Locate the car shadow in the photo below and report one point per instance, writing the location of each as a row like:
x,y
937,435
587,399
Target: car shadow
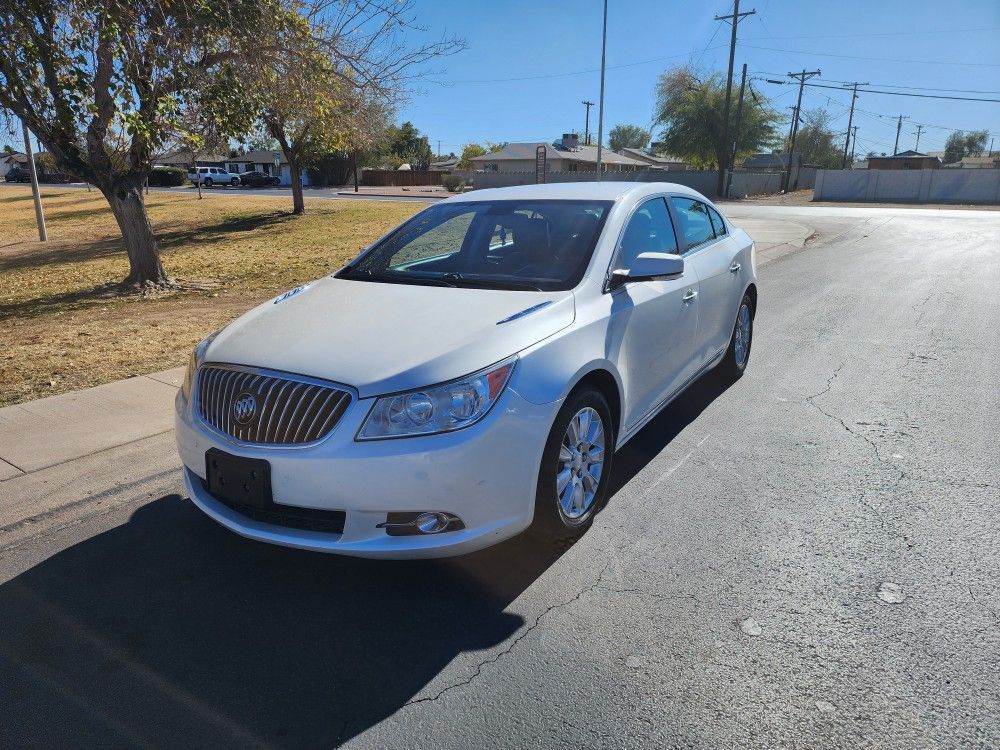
x,y
664,427
169,630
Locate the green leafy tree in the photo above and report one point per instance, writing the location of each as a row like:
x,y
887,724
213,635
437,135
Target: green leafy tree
x,y
102,84
470,152
961,144
407,146
690,109
628,136
816,142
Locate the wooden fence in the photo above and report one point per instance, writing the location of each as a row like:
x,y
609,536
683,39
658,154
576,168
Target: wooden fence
x,y
396,178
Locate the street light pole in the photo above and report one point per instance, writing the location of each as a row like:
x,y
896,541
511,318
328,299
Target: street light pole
x,y
600,106
35,194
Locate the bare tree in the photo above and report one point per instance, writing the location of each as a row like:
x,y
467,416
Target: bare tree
x,y
349,63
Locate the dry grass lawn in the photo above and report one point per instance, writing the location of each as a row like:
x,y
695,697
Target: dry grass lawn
x,y
59,331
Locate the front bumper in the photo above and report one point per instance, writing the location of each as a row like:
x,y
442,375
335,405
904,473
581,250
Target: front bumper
x,y
485,474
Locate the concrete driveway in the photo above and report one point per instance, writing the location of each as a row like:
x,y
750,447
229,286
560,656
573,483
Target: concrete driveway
x,y
807,558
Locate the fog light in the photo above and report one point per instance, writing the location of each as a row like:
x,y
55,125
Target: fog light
x,y
427,522
432,523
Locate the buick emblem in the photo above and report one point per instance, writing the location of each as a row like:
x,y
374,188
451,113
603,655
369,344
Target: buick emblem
x,y
244,408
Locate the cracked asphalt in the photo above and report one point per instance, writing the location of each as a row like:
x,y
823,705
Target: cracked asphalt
x,y
806,559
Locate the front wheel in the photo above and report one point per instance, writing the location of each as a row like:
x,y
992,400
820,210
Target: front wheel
x,y
734,364
576,467
235,181
208,182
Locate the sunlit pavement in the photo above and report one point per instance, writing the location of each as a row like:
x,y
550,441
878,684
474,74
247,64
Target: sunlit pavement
x,y
806,558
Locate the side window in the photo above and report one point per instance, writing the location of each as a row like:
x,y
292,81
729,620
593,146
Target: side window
x,y
649,231
695,224
717,223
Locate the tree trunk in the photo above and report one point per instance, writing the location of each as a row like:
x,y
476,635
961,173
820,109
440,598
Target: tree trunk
x,y
298,202
145,269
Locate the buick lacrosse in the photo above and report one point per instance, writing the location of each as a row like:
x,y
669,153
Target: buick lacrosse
x,y
470,374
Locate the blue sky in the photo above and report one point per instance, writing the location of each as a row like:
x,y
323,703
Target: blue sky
x,y
521,39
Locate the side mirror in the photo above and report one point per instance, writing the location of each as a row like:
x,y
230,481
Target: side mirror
x,y
649,267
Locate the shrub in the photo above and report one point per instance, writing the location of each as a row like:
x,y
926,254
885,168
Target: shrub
x,y
453,183
167,177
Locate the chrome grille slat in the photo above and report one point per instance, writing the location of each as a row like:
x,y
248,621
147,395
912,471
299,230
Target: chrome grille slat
x,y
290,410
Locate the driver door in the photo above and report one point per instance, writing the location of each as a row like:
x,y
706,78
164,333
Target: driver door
x,y
653,323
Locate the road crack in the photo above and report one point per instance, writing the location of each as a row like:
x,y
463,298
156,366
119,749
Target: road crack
x,y
513,644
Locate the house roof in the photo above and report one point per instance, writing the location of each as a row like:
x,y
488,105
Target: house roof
x,y
908,155
521,151
258,157
636,153
771,160
184,157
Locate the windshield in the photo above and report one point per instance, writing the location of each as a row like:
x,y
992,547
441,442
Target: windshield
x,y
511,244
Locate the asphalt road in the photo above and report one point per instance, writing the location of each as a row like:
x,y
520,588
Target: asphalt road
x,y
808,558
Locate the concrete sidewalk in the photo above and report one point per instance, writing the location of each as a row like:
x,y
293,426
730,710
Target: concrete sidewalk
x,y
52,431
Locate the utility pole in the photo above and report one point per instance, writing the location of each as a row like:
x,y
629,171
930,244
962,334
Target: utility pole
x,y
804,76
850,119
854,143
600,107
899,127
920,129
586,122
439,148
39,214
734,19
736,137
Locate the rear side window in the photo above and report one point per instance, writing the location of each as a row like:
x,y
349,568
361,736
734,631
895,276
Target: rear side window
x,y
717,223
695,224
649,231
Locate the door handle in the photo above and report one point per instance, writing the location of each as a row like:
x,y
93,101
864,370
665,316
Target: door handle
x,y
735,267
691,294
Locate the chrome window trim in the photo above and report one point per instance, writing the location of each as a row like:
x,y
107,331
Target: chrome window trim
x,y
291,377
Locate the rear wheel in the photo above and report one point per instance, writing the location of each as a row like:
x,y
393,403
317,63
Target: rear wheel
x,y
576,467
734,364
235,181
208,182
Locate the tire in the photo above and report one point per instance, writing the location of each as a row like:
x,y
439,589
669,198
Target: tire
x,y
558,517
734,364
208,182
235,182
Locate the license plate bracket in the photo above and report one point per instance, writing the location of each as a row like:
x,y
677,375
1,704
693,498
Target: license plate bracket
x,y
237,479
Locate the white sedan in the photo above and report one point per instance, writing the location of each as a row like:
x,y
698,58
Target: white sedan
x,y
470,374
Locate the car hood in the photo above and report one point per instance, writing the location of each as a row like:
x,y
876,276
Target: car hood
x,y
380,338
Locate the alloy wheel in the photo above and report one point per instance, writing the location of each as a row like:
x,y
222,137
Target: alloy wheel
x,y
741,338
581,461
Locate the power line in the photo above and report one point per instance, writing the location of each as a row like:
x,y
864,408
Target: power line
x,y
876,59
935,32
574,72
734,19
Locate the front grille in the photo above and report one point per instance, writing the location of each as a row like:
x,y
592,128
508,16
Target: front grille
x,y
306,519
253,406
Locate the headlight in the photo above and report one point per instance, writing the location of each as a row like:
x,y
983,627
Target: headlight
x,y
196,358
440,408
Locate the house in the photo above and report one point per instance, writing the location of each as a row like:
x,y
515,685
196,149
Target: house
x,y
268,162
8,161
978,162
773,162
444,165
564,155
665,162
905,160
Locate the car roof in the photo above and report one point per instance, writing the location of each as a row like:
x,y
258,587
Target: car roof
x,y
605,191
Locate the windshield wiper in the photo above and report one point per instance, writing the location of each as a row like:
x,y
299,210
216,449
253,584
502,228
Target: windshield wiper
x,y
364,274
489,283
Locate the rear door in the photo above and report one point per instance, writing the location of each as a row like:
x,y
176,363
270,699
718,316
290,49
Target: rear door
x,y
711,251
652,324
